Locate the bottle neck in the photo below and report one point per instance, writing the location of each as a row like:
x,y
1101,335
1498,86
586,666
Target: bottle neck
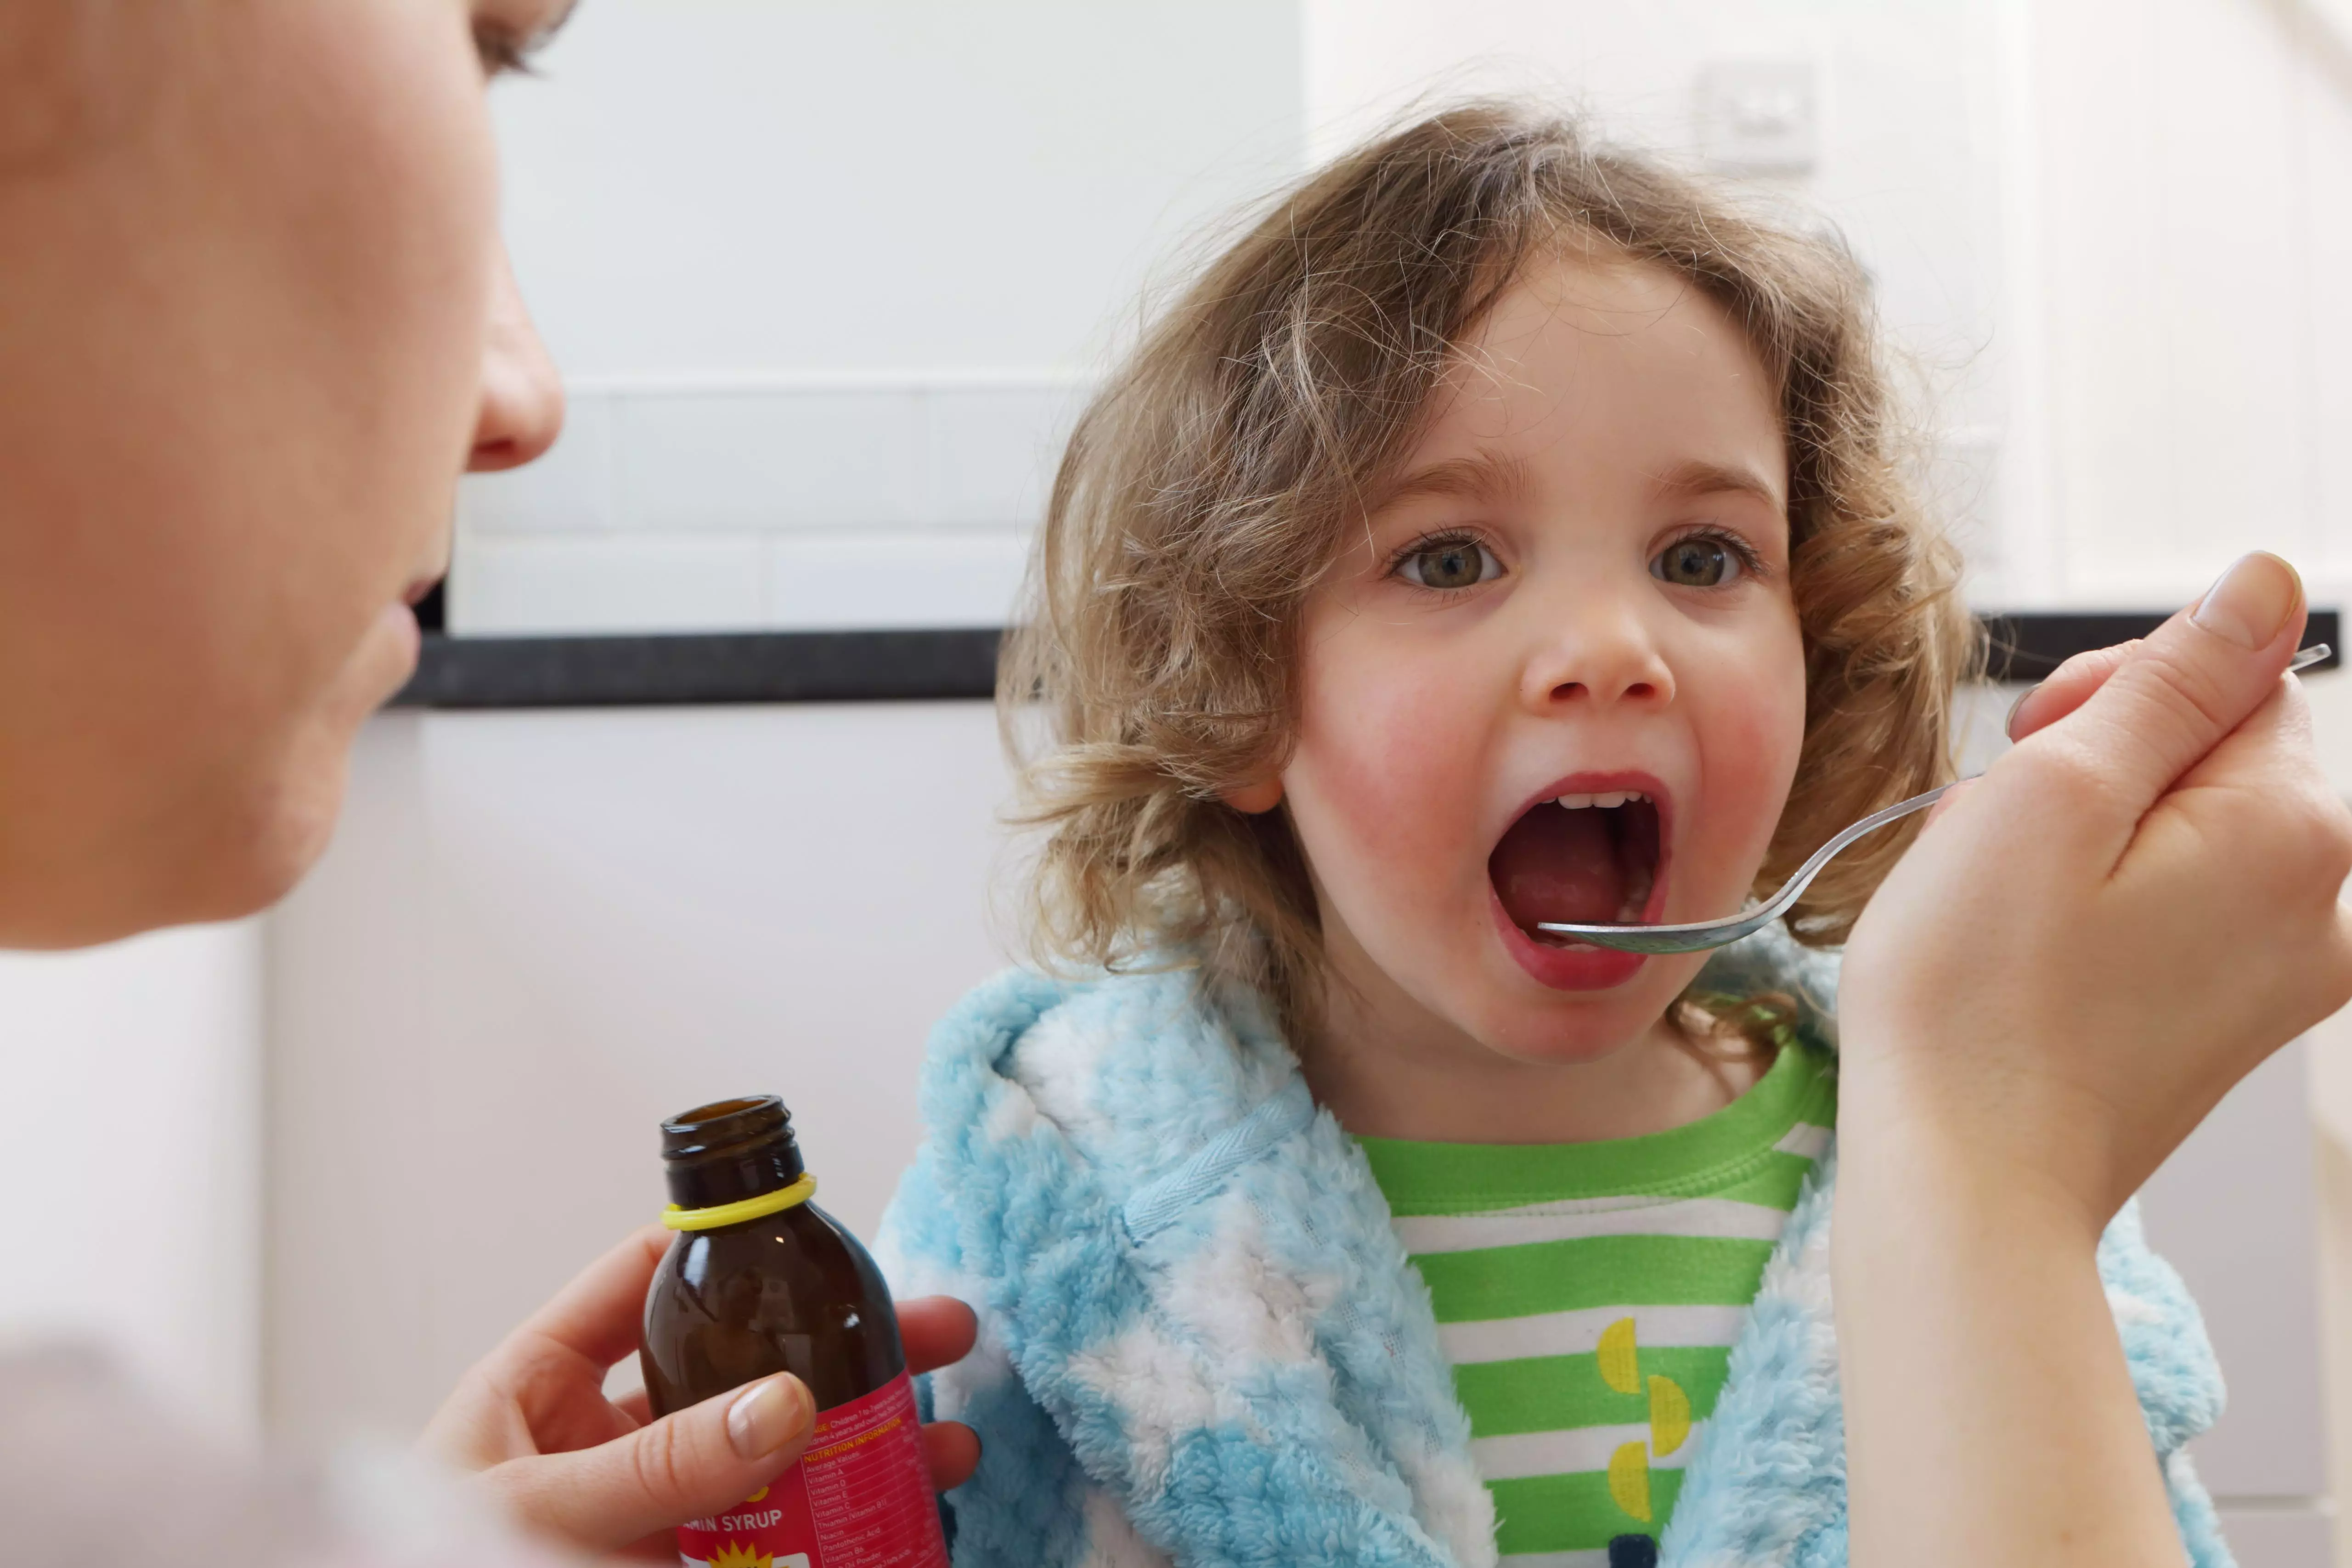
x,y
735,1175
729,1153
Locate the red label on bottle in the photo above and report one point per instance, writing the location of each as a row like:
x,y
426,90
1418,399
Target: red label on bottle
x,y
860,1498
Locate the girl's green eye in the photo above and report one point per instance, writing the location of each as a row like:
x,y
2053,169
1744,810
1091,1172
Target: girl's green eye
x,y
1462,563
1696,563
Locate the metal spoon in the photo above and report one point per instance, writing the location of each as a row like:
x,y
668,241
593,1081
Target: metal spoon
x,y
1701,934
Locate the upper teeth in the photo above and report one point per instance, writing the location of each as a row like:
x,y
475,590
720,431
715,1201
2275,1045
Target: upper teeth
x,y
1609,798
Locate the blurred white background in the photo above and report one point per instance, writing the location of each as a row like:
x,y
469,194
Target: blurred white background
x,y
827,283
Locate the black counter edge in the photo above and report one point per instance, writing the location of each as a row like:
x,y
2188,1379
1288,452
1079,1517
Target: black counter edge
x,y
959,664
2026,644
703,668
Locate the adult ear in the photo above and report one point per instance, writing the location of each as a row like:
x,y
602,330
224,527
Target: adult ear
x,y
1254,799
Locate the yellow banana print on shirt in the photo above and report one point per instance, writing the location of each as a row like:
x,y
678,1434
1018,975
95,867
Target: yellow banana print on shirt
x,y
1629,1480
1616,1355
1670,1415
1619,1359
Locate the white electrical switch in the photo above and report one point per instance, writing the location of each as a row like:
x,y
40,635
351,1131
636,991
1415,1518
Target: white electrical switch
x,y
1760,116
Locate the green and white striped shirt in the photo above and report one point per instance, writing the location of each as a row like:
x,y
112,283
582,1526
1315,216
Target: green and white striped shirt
x,y
1588,1295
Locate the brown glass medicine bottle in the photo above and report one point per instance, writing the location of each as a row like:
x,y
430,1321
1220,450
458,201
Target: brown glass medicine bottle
x,y
760,1281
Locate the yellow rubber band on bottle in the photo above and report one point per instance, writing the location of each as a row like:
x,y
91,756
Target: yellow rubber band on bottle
x,y
766,1204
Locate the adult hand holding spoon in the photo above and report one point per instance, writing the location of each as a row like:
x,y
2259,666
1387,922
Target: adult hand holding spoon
x,y
2083,951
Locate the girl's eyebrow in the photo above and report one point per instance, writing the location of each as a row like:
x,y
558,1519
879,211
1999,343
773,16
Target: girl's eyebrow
x,y
1700,477
1485,477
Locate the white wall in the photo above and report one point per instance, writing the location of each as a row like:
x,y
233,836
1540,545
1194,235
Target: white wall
x,y
826,280
703,187
2193,160
537,935
130,1143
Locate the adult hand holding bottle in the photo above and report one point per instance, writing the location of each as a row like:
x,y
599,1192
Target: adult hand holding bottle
x,y
2079,957
533,1419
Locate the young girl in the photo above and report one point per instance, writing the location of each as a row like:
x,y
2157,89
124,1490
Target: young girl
x,y
1506,531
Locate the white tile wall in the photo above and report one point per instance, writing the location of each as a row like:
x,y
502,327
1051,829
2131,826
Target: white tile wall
x,y
529,584
753,460
893,579
841,501
857,504
993,449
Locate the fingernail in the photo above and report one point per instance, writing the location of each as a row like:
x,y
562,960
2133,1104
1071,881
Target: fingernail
x,y
2009,725
768,1415
2252,601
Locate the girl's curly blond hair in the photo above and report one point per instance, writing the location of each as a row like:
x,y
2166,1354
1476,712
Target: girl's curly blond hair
x,y
1216,476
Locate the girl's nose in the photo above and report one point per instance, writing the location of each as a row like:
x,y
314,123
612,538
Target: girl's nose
x,y
1596,660
522,398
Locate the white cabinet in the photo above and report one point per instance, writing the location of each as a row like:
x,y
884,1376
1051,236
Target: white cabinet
x,y
2236,1212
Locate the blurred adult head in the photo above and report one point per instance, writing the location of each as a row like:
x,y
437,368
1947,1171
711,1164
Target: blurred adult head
x,y
254,320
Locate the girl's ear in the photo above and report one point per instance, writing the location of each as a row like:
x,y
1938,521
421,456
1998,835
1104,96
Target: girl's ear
x,y
1253,799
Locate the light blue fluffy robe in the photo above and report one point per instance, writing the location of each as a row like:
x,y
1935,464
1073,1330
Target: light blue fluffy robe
x,y
1200,1341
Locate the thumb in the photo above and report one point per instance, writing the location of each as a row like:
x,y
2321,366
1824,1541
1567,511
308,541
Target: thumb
x,y
2195,678
696,1461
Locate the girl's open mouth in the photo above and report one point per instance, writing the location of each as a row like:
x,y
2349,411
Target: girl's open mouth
x,y
1584,859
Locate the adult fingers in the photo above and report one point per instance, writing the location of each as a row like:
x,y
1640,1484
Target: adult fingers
x,y
2066,689
2191,682
2261,803
697,1461
953,1449
936,1330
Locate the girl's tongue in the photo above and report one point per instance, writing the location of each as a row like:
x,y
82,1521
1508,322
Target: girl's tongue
x,y
1581,865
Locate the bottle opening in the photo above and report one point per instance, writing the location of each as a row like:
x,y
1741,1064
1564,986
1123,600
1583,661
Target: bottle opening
x,y
729,1151
723,1123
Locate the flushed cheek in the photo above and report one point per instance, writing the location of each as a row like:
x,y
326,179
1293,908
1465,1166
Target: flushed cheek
x,y
1382,785
1747,757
